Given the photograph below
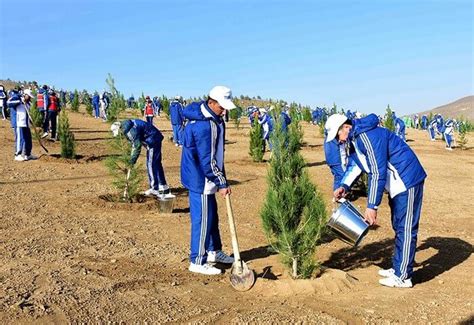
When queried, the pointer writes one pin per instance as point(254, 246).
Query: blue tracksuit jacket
point(202, 161)
point(13, 101)
point(389, 162)
point(140, 132)
point(176, 113)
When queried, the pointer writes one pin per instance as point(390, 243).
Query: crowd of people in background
point(50, 101)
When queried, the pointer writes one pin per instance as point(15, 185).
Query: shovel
point(33, 126)
point(125, 191)
point(241, 277)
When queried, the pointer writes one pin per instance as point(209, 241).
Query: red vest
point(53, 103)
point(39, 100)
point(149, 109)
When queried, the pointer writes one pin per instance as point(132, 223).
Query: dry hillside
point(463, 107)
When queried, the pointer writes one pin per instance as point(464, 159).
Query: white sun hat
point(223, 96)
point(333, 124)
point(29, 93)
point(115, 128)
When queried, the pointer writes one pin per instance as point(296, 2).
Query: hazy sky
point(363, 55)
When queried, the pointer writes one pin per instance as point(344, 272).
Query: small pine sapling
point(125, 176)
point(389, 123)
point(66, 137)
point(235, 116)
point(257, 143)
point(88, 103)
point(294, 212)
point(117, 102)
point(462, 140)
point(35, 114)
point(75, 102)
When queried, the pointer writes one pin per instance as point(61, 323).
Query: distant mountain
point(463, 107)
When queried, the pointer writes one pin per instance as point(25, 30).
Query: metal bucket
point(348, 223)
point(166, 203)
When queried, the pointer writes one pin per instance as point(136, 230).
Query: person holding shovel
point(139, 132)
point(203, 174)
point(23, 140)
point(392, 165)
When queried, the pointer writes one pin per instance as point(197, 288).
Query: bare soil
point(69, 255)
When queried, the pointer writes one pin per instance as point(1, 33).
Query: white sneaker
point(151, 192)
point(386, 273)
point(219, 257)
point(31, 157)
point(449, 148)
point(206, 269)
point(44, 135)
point(395, 282)
point(19, 158)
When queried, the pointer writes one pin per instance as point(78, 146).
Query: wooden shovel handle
point(233, 233)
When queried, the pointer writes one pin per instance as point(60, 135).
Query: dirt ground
point(67, 256)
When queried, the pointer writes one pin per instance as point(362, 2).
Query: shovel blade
point(241, 277)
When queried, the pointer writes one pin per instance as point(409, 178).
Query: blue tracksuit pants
point(23, 141)
point(406, 210)
point(177, 133)
point(205, 234)
point(96, 110)
point(431, 132)
point(156, 174)
point(448, 138)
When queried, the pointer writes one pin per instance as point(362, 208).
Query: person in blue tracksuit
point(432, 129)
point(337, 159)
point(266, 121)
point(203, 174)
point(285, 120)
point(400, 129)
point(177, 120)
point(416, 120)
point(23, 139)
point(449, 133)
point(392, 165)
point(104, 105)
point(14, 99)
point(139, 133)
point(96, 104)
point(439, 124)
point(424, 122)
point(252, 112)
point(3, 102)
point(158, 105)
point(130, 102)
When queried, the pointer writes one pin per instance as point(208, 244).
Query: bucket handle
point(334, 201)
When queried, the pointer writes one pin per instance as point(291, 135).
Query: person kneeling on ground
point(390, 164)
point(203, 174)
point(139, 132)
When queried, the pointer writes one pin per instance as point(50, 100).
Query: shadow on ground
point(450, 253)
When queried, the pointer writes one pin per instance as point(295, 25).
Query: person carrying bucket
point(139, 132)
point(392, 165)
point(203, 174)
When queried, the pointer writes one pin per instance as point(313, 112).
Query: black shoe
point(164, 192)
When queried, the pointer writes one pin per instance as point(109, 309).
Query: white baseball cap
point(333, 124)
point(223, 96)
point(115, 128)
